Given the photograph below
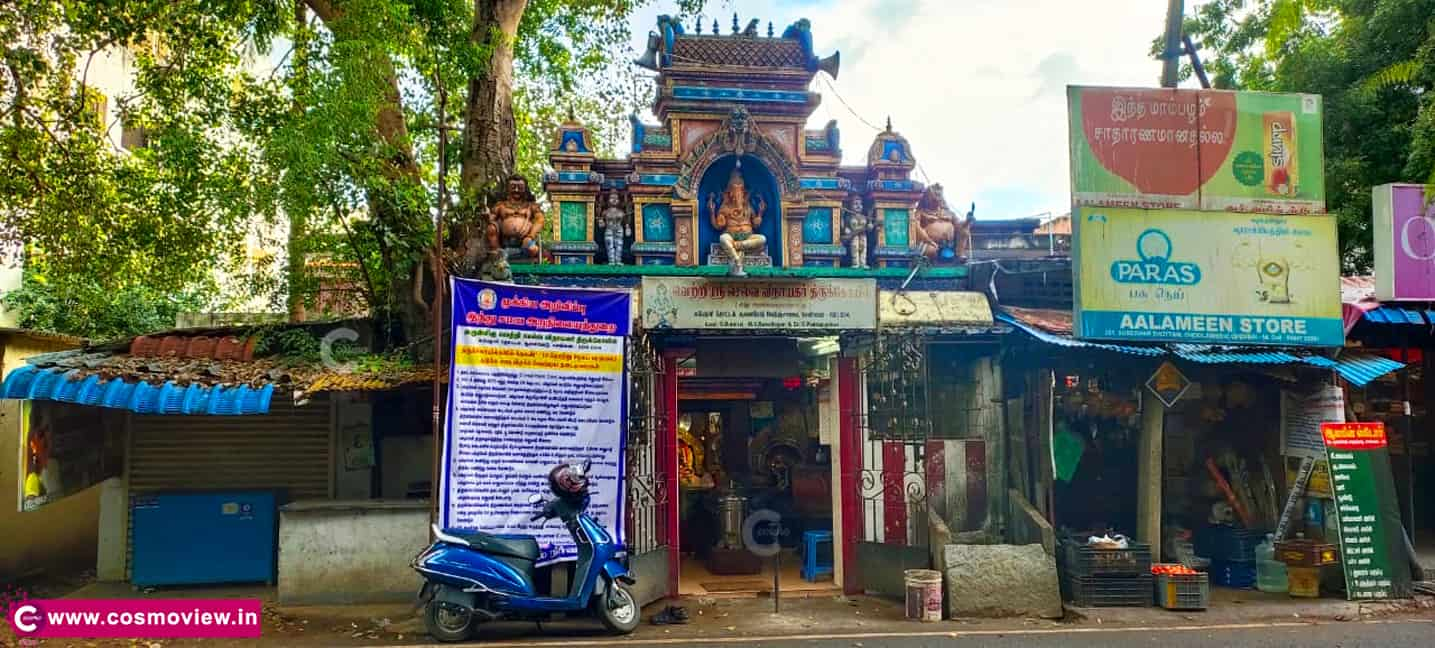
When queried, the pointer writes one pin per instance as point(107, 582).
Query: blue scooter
point(472, 577)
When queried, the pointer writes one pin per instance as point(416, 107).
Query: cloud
point(977, 87)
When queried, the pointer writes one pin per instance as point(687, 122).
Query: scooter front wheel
point(617, 609)
point(448, 622)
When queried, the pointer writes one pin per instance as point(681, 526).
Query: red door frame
point(850, 469)
point(666, 464)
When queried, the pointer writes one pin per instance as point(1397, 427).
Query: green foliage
point(95, 311)
point(1373, 62)
point(339, 142)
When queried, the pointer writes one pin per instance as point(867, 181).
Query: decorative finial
point(571, 118)
point(700, 25)
point(715, 28)
point(769, 29)
point(734, 22)
point(889, 123)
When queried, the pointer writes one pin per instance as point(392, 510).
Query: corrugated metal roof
point(1395, 315)
point(1069, 342)
point(70, 386)
point(1355, 367)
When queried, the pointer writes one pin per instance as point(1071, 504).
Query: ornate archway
point(737, 137)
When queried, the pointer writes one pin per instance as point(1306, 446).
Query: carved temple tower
point(726, 103)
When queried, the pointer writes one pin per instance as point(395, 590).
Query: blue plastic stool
point(811, 570)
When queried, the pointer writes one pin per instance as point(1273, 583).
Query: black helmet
point(568, 480)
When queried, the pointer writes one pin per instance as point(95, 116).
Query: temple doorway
point(751, 453)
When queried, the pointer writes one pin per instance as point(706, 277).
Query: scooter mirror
point(535, 499)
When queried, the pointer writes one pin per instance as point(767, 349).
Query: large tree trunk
point(398, 167)
point(490, 138)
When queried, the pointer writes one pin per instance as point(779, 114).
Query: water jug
point(1271, 574)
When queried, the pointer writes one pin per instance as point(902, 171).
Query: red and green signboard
point(1371, 545)
point(1212, 150)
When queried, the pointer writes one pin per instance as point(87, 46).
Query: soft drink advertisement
point(1212, 150)
point(1219, 277)
point(1404, 242)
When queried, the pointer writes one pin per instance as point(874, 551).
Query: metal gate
point(644, 493)
point(894, 425)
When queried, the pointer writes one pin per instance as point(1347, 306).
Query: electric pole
point(1171, 56)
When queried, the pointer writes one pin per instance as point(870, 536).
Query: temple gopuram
point(731, 176)
point(777, 292)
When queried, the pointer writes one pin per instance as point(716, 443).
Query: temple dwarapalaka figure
point(517, 220)
point(737, 220)
point(614, 223)
point(941, 235)
point(854, 232)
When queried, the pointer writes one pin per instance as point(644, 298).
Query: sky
point(976, 86)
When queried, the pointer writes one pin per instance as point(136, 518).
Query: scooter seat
point(521, 548)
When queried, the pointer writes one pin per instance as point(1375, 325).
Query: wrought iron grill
point(895, 425)
point(644, 495)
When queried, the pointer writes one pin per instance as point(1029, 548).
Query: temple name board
point(695, 303)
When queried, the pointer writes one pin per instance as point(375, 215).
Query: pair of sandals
point(671, 615)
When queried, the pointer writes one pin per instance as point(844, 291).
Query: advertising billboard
point(1213, 150)
point(1207, 277)
point(1404, 243)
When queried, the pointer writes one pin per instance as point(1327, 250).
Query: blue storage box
point(195, 538)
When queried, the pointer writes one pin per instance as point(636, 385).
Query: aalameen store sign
point(1207, 277)
point(1212, 150)
point(1404, 242)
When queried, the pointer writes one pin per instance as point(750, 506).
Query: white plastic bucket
point(924, 594)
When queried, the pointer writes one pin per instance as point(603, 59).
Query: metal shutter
point(290, 448)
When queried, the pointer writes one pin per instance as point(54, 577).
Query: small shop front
point(1179, 455)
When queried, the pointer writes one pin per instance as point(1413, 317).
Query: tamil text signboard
point(1212, 150)
point(1371, 540)
point(1185, 276)
point(735, 304)
point(1404, 243)
point(536, 380)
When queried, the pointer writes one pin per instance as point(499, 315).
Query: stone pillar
point(1148, 479)
point(113, 525)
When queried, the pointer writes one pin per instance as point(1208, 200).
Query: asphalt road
point(1385, 634)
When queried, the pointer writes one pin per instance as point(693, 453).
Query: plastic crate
point(1108, 591)
point(1307, 553)
point(1080, 560)
point(1238, 575)
point(1183, 591)
point(1228, 544)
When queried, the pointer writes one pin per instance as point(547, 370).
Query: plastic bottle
point(1271, 575)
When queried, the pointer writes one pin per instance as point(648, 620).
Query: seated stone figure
point(737, 222)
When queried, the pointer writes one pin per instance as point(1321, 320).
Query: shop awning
point(1355, 367)
point(69, 386)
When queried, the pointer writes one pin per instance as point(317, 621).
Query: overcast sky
point(976, 86)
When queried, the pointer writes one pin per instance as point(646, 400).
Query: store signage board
point(536, 379)
point(699, 303)
point(1177, 275)
point(1371, 540)
point(1214, 150)
point(1404, 242)
point(1168, 384)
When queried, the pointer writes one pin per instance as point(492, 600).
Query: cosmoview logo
point(25, 619)
point(1155, 265)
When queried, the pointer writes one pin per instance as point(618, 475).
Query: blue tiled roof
point(30, 382)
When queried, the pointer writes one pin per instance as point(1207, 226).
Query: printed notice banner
point(1371, 540)
point(1302, 414)
point(536, 379)
point(1213, 150)
point(1175, 275)
point(699, 303)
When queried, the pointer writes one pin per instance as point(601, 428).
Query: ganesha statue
point(941, 235)
point(737, 221)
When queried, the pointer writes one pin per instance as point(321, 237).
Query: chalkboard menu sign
point(1371, 546)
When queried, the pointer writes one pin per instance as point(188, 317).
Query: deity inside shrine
point(737, 221)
